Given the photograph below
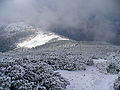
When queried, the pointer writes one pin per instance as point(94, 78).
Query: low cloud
point(76, 19)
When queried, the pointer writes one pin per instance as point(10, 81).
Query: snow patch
point(99, 60)
point(91, 79)
point(40, 39)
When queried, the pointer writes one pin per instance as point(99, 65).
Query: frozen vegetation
point(29, 74)
point(36, 68)
point(58, 63)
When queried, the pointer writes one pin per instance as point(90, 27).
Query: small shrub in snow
point(117, 83)
point(5, 82)
point(112, 68)
point(74, 66)
point(114, 60)
point(22, 84)
point(90, 62)
point(101, 65)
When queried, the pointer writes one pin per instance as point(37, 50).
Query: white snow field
point(40, 39)
point(90, 79)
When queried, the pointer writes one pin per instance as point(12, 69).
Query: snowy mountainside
point(20, 34)
point(47, 61)
point(17, 27)
point(41, 38)
point(11, 34)
point(41, 63)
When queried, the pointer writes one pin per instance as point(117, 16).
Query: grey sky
point(86, 16)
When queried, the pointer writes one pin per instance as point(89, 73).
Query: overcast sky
point(79, 19)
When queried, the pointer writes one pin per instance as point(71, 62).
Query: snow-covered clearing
point(91, 79)
point(40, 39)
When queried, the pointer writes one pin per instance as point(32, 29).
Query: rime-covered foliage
point(114, 68)
point(26, 69)
point(117, 84)
point(68, 55)
point(25, 74)
point(114, 62)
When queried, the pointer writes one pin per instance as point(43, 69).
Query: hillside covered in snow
point(42, 60)
point(20, 34)
point(59, 44)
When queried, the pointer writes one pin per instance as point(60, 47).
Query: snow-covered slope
point(41, 38)
point(12, 33)
point(20, 34)
point(16, 28)
point(19, 26)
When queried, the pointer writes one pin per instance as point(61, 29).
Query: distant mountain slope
point(41, 38)
point(12, 33)
point(20, 34)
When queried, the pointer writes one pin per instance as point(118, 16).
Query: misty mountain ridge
point(12, 33)
point(20, 34)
